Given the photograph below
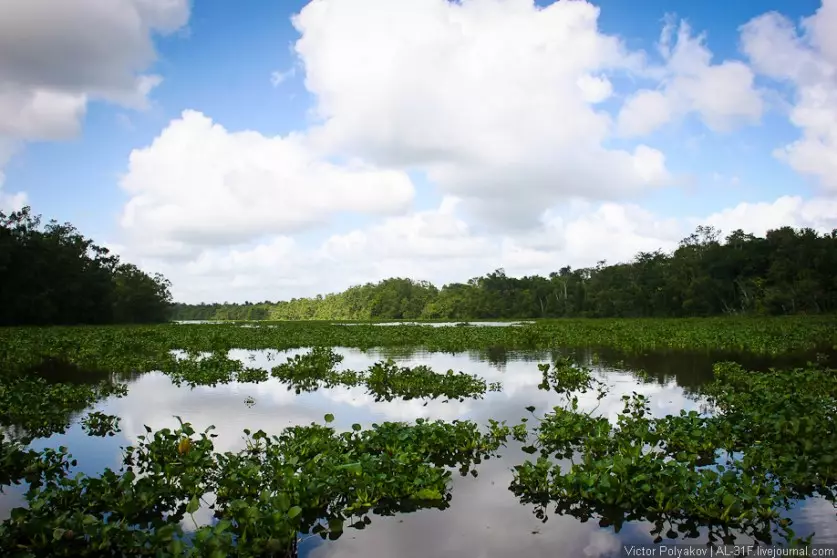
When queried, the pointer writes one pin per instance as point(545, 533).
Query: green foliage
point(383, 380)
point(146, 348)
point(35, 408)
point(786, 272)
point(53, 275)
point(771, 442)
point(307, 372)
point(101, 425)
point(386, 381)
point(307, 479)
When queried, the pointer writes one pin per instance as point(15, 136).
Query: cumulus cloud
point(504, 108)
point(723, 95)
point(819, 214)
point(9, 202)
point(495, 101)
point(438, 245)
point(55, 56)
point(807, 59)
point(199, 184)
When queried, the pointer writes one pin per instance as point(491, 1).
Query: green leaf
point(329, 417)
point(428, 494)
point(352, 467)
point(193, 505)
point(356, 427)
point(294, 511)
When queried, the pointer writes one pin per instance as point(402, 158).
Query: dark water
point(485, 519)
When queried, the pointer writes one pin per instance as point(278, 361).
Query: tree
point(787, 271)
point(54, 275)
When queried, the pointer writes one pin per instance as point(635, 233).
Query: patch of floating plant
point(317, 369)
point(31, 407)
point(211, 369)
point(387, 381)
point(770, 441)
point(100, 424)
point(383, 380)
point(143, 348)
point(308, 479)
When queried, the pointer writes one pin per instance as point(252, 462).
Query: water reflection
point(485, 519)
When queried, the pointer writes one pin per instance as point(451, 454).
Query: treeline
point(53, 275)
point(222, 311)
point(786, 272)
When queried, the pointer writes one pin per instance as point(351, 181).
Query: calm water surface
point(485, 519)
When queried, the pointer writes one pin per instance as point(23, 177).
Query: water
point(485, 519)
point(445, 324)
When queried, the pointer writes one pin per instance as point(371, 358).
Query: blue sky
point(217, 59)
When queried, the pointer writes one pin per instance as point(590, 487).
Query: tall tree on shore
point(54, 275)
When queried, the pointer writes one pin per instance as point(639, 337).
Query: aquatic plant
point(386, 381)
point(770, 442)
point(100, 424)
point(146, 348)
point(31, 407)
point(308, 479)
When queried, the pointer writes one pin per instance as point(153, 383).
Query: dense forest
point(53, 275)
point(786, 272)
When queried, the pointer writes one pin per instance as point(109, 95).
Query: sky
point(265, 150)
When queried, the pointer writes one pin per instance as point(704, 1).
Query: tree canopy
point(54, 275)
point(788, 271)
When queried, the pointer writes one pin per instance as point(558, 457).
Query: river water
point(485, 519)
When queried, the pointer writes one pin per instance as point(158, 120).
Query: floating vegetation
point(101, 425)
point(306, 479)
point(384, 380)
point(765, 441)
point(147, 348)
point(387, 381)
point(771, 441)
point(33, 408)
point(310, 371)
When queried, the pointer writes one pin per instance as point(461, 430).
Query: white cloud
point(644, 112)
point(809, 62)
point(501, 106)
point(56, 57)
point(819, 214)
point(438, 245)
point(11, 202)
point(15, 201)
point(494, 100)
point(435, 234)
point(277, 78)
point(723, 95)
point(198, 184)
